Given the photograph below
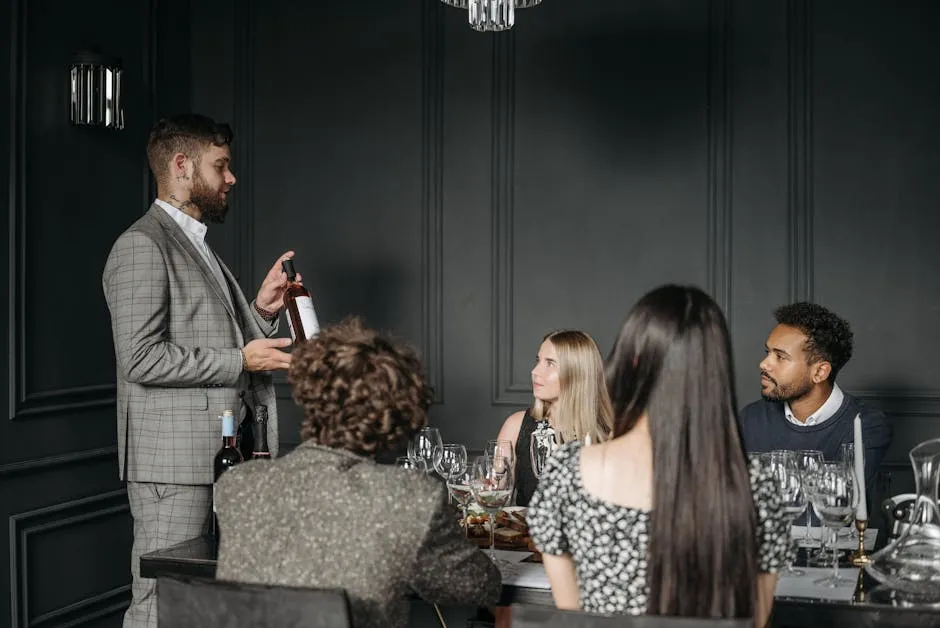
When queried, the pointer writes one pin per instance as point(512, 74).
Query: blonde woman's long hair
point(583, 406)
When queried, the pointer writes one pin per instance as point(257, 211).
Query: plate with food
point(511, 528)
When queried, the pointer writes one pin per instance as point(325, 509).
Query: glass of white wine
point(458, 485)
point(491, 483)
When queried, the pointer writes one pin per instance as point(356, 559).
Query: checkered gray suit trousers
point(164, 515)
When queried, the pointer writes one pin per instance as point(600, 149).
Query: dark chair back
point(199, 603)
point(528, 616)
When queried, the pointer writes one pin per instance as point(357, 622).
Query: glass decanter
point(910, 566)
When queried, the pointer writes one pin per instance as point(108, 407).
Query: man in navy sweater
point(802, 406)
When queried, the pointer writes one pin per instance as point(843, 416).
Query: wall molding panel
point(800, 149)
point(505, 391)
point(720, 162)
point(26, 525)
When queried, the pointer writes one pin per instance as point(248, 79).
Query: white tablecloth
point(532, 575)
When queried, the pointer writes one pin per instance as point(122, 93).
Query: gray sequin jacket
point(321, 517)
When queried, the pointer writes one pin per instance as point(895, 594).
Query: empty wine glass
point(784, 469)
point(413, 464)
point(835, 497)
point(542, 444)
point(491, 485)
point(502, 452)
point(426, 445)
point(808, 461)
point(458, 485)
point(453, 460)
point(847, 457)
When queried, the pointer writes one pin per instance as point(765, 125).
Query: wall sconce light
point(95, 95)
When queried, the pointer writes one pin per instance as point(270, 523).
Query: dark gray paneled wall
point(473, 191)
point(70, 191)
point(469, 192)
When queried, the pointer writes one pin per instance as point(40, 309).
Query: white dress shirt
point(826, 411)
point(196, 232)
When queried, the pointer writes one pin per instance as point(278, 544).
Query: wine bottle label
point(228, 424)
point(308, 318)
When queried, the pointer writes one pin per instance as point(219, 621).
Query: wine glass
point(458, 485)
point(835, 497)
point(808, 461)
point(412, 464)
point(847, 457)
point(491, 485)
point(542, 444)
point(453, 460)
point(784, 469)
point(426, 445)
point(502, 452)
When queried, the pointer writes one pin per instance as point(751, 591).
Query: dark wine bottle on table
point(227, 457)
point(301, 317)
point(259, 428)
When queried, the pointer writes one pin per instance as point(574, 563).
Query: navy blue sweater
point(765, 427)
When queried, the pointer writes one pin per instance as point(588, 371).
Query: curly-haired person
point(327, 515)
point(802, 406)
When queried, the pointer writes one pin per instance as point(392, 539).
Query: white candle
point(862, 511)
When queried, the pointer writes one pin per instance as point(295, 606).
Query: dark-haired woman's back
point(593, 509)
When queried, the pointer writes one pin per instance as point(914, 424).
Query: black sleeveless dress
point(525, 476)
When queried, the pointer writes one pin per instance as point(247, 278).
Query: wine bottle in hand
point(301, 317)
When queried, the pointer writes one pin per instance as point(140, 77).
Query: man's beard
point(787, 393)
point(209, 201)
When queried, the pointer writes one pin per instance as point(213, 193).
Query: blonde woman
point(570, 394)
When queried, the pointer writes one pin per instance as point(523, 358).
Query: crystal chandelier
point(491, 15)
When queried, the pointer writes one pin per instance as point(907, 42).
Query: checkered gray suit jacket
point(177, 341)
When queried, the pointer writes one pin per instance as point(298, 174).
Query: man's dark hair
point(828, 336)
point(190, 134)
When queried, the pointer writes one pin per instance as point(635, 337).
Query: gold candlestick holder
point(860, 558)
point(859, 594)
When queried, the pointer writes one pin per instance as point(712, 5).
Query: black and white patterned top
point(608, 542)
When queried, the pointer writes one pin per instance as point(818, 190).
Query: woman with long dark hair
point(667, 517)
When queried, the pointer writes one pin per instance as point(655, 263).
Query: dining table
point(798, 603)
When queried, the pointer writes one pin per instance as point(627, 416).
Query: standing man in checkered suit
point(187, 342)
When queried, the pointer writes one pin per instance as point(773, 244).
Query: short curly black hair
point(829, 336)
point(359, 390)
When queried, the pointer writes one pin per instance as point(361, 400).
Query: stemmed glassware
point(491, 483)
point(414, 464)
point(504, 453)
point(453, 460)
point(427, 446)
point(847, 457)
point(783, 466)
point(808, 462)
point(834, 494)
point(458, 485)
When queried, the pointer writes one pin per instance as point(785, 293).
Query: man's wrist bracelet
point(265, 314)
